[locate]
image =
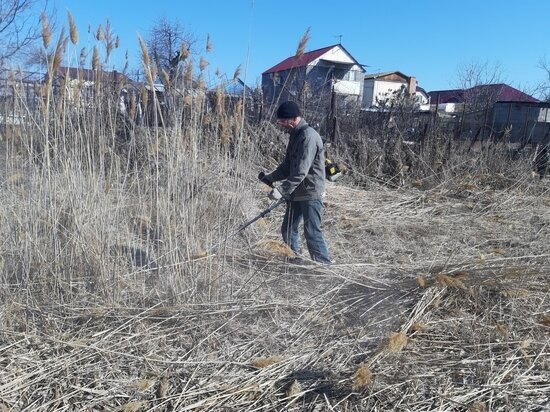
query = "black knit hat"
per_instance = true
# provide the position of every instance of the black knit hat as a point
(288, 110)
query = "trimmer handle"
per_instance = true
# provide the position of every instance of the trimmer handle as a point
(262, 177)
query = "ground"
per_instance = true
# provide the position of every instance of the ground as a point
(438, 301)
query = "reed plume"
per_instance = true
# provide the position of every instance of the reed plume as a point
(146, 61)
(83, 56)
(302, 44)
(188, 74)
(362, 377)
(99, 33)
(144, 52)
(203, 63)
(237, 72)
(46, 31)
(59, 52)
(208, 43)
(72, 28)
(126, 62)
(184, 51)
(95, 59)
(397, 342)
(111, 42)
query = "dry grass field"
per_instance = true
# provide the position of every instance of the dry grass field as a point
(439, 300)
(119, 293)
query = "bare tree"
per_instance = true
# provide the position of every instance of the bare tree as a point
(543, 88)
(19, 25)
(474, 78)
(478, 73)
(169, 45)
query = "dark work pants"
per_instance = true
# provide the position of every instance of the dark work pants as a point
(308, 211)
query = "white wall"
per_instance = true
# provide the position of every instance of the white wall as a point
(368, 93)
(337, 55)
(378, 89)
(347, 87)
(421, 98)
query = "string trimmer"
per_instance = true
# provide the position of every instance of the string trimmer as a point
(248, 223)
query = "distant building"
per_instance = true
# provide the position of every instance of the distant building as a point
(380, 89)
(477, 97)
(315, 75)
(234, 88)
(232, 92)
(17, 87)
(496, 111)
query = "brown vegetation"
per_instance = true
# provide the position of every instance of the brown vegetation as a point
(113, 299)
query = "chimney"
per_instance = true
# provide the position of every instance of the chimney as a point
(411, 86)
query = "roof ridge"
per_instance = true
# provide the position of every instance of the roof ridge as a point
(302, 60)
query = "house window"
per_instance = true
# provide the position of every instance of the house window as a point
(351, 76)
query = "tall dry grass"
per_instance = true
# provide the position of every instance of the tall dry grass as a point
(97, 207)
(113, 298)
(89, 172)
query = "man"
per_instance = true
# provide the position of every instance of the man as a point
(302, 173)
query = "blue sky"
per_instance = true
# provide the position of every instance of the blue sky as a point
(429, 39)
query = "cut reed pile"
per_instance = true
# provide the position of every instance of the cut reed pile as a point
(438, 301)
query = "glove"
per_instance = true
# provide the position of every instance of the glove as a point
(275, 195)
(264, 179)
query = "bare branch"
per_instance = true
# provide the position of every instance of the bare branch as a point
(19, 25)
(169, 45)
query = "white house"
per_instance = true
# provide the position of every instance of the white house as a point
(315, 75)
(380, 88)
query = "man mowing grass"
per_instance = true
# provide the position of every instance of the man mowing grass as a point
(302, 173)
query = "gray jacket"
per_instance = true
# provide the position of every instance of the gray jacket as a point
(303, 167)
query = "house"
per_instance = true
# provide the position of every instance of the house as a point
(236, 88)
(80, 87)
(80, 77)
(232, 94)
(498, 111)
(77, 84)
(380, 89)
(18, 86)
(314, 77)
(477, 97)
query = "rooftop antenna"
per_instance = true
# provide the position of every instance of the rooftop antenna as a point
(339, 38)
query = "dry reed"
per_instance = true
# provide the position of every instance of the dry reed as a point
(208, 47)
(46, 31)
(300, 50)
(73, 31)
(104, 302)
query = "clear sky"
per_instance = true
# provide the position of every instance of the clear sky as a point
(428, 39)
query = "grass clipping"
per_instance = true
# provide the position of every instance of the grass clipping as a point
(362, 378)
(397, 342)
(275, 248)
(265, 362)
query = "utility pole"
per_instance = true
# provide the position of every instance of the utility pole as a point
(333, 118)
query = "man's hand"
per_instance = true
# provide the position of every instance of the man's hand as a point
(275, 195)
(264, 179)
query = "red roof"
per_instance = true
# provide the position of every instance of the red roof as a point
(303, 60)
(499, 92)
